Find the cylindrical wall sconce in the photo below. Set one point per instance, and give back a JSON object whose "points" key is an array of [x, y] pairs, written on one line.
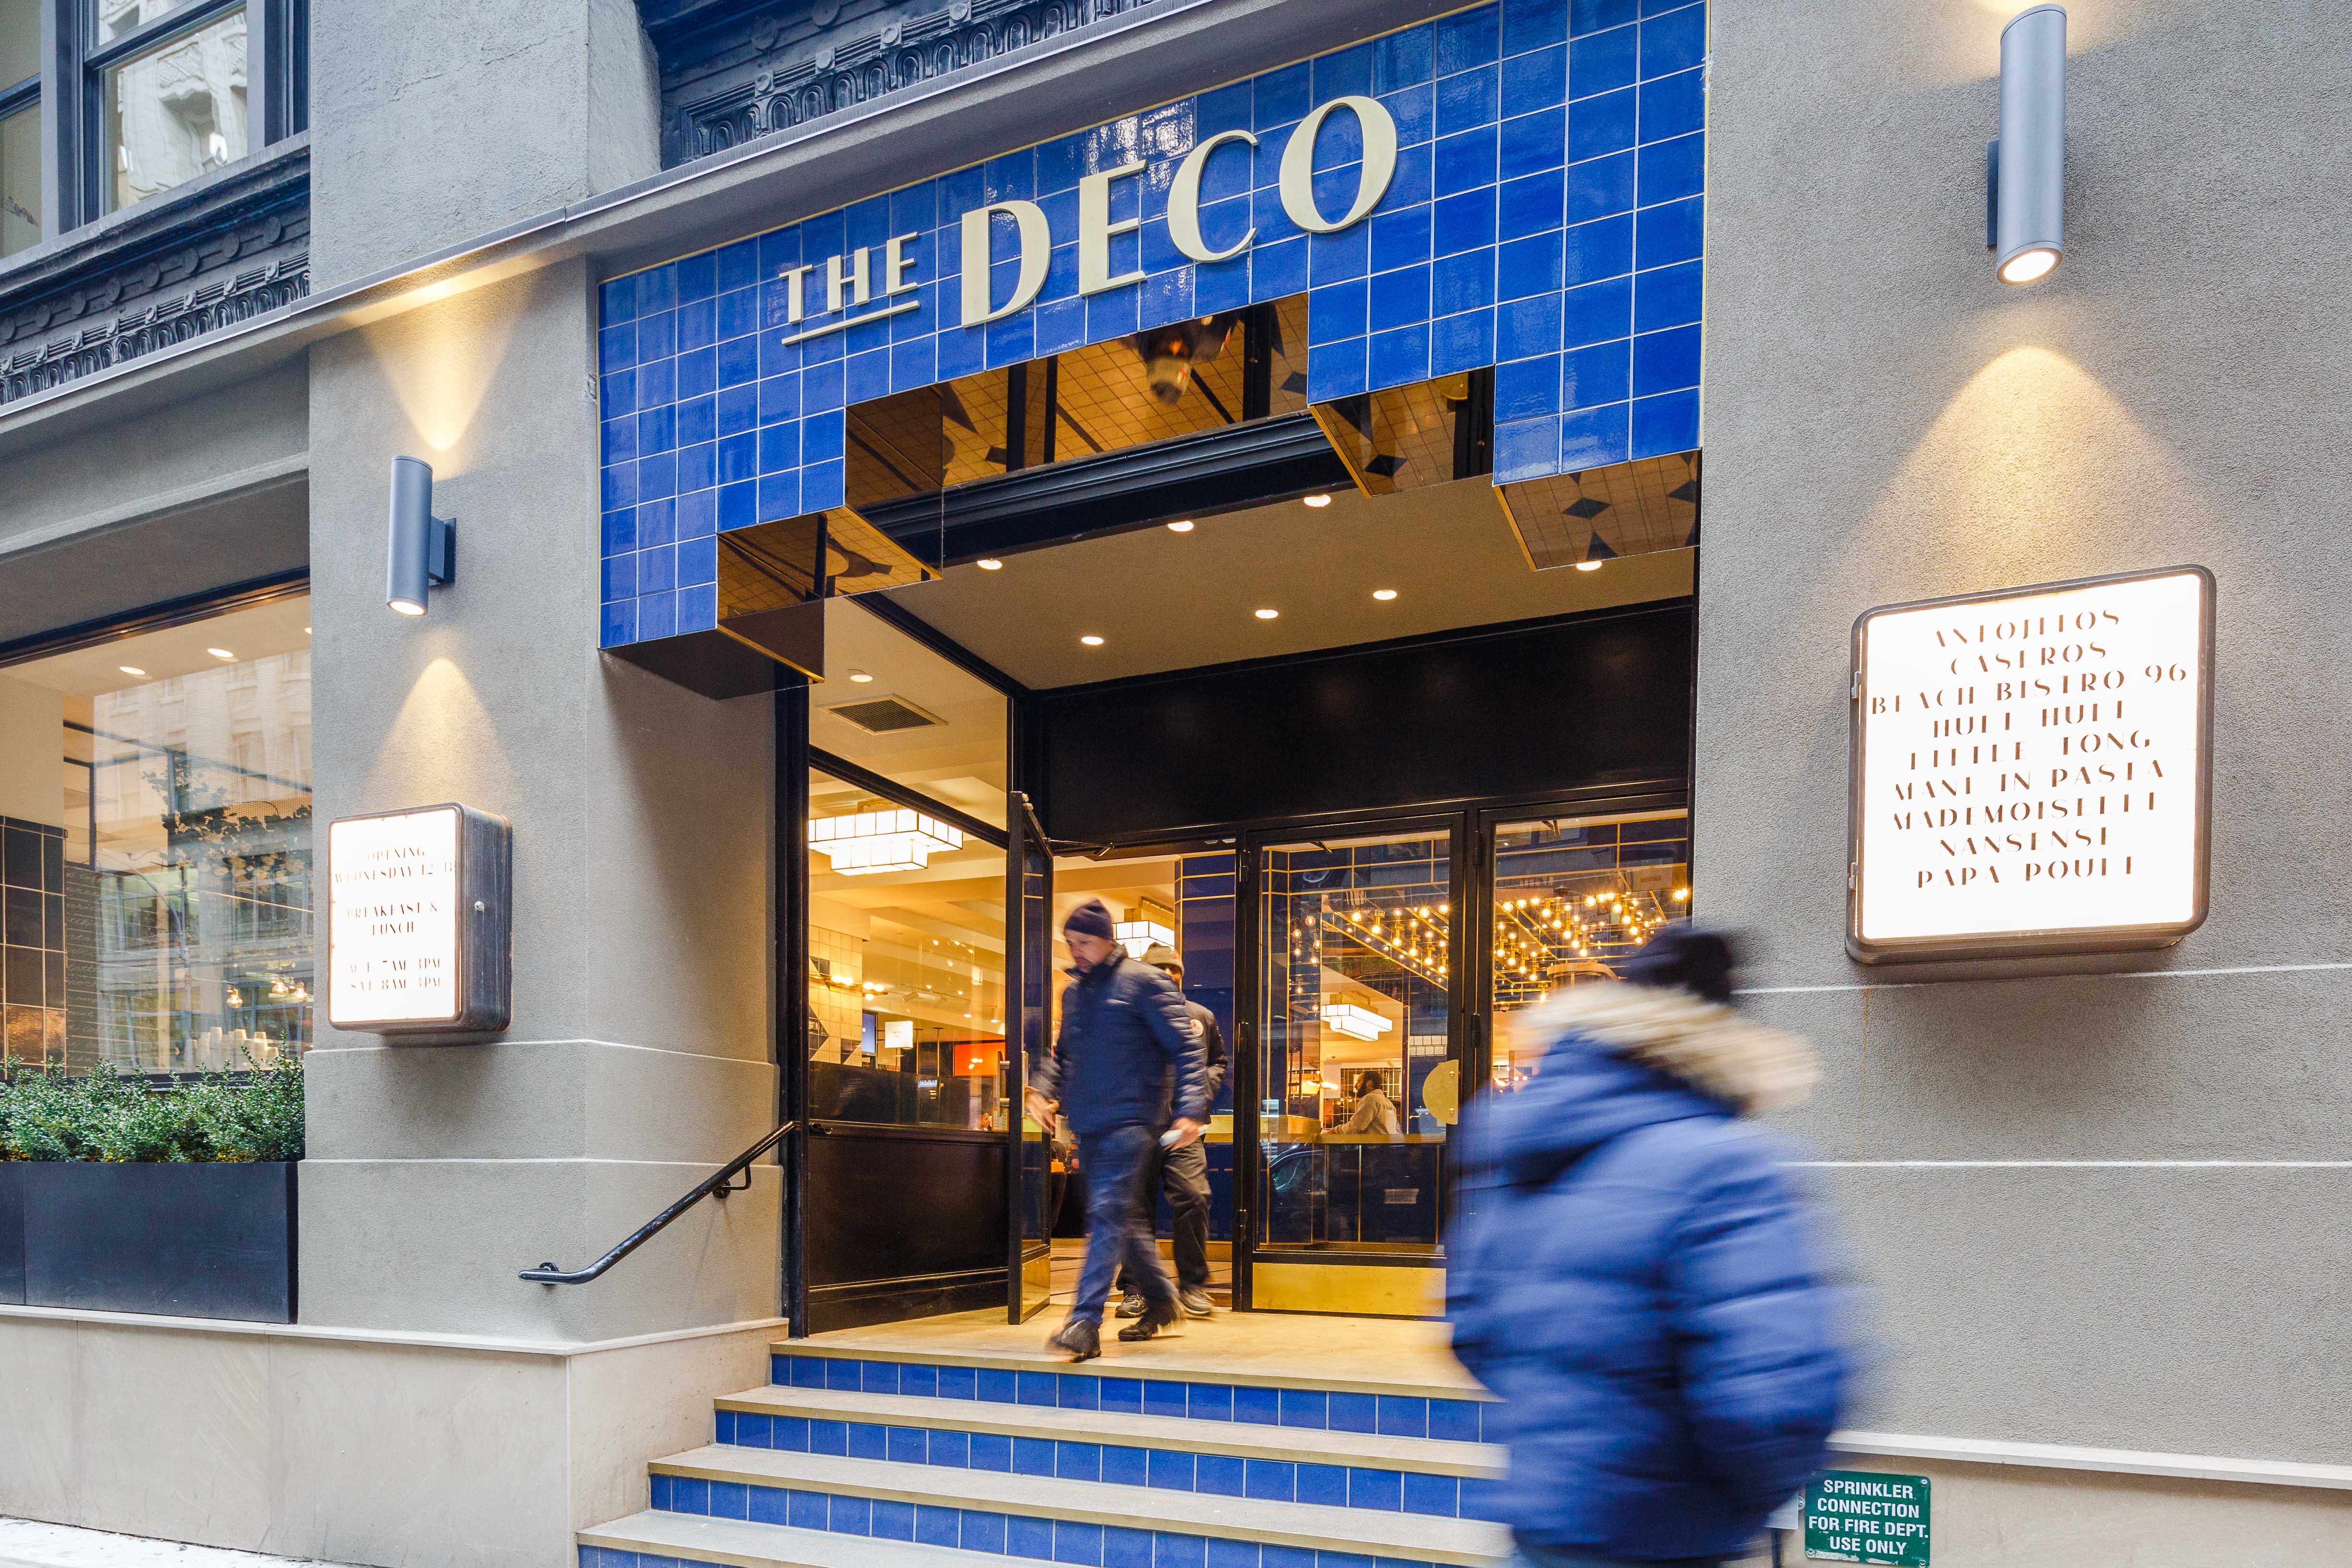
{"points": [[421, 549], [2028, 165]]}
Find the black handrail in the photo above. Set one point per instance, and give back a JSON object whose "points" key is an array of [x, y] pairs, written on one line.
{"points": [[719, 1183]]}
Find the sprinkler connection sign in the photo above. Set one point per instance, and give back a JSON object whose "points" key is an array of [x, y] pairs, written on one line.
{"points": [[1862, 1516]]}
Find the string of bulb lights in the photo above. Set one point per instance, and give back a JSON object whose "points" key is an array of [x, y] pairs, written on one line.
{"points": [[1542, 939]]}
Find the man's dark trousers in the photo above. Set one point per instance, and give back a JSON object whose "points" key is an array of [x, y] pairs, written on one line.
{"points": [[1184, 1175], [1118, 1226]]}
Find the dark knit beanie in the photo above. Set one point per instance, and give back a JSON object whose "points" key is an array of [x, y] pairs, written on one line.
{"points": [[1686, 957], [1090, 919]]}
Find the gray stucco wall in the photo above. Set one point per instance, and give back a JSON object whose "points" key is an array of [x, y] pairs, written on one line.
{"points": [[1885, 422], [640, 1055]]}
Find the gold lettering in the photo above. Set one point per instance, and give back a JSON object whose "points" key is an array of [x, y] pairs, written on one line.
{"points": [[1297, 176], [1184, 201], [1096, 230], [1035, 243]]}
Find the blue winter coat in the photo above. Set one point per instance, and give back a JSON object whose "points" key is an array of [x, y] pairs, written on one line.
{"points": [[1636, 1276], [1128, 1053]]}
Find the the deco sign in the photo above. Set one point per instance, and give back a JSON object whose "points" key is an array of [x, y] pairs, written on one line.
{"points": [[2032, 768], [418, 921], [862, 277]]}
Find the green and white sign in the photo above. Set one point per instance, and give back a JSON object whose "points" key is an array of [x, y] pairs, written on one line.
{"points": [[1867, 1516]]}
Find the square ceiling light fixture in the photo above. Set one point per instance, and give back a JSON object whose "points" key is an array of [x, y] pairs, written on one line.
{"points": [[2025, 169], [1356, 1023], [875, 841], [1140, 935]]}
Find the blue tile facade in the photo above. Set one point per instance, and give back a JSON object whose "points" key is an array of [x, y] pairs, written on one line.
{"points": [[1545, 217]]}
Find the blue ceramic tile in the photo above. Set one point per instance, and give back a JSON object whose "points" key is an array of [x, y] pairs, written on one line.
{"points": [[1232, 1555], [1076, 1391], [1600, 250], [1534, 82], [696, 326], [1414, 109], [1601, 187], [1335, 313], [1465, 161], [951, 1449], [1271, 1480], [1343, 71], [1171, 1472], [620, 582], [829, 1438], [1413, 179], [1674, 169], [1032, 1457], [1525, 449], [1402, 59], [1454, 1420], [730, 1499], [1335, 369], [1665, 424], [1125, 1466], [697, 608], [1076, 1461], [1604, 62], [1403, 1417], [1465, 222], [1531, 265], [1272, 1556], [808, 1371], [868, 1441], [1481, 1499], [1209, 1401], [656, 430], [1527, 207], [1344, 1560], [1601, 124], [1324, 1485], [656, 570], [620, 530], [1395, 299], [959, 1382], [1025, 1537], [1126, 1548], [1468, 38], [1665, 362], [1597, 312], [789, 1433], [778, 496], [1531, 143], [1464, 101], [1527, 327], [936, 1526], [1079, 1543], [1218, 1474], [1431, 1494], [1400, 239], [894, 1521], [769, 1505], [690, 1495], [1668, 234], [907, 1446], [1169, 1551], [698, 516], [805, 1510], [1674, 41], [983, 1531], [851, 1516], [1462, 282], [1525, 388], [1276, 270], [697, 277], [1532, 24], [1164, 1398], [664, 1492], [657, 524], [1124, 1395], [1332, 258], [1671, 106], [1593, 438]]}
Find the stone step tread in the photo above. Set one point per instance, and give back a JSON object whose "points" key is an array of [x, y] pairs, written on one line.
{"points": [[1425, 1538], [1117, 1362], [1240, 1439], [743, 1544]]}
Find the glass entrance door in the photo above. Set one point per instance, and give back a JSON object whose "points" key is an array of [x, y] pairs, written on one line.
{"points": [[1357, 1054]]}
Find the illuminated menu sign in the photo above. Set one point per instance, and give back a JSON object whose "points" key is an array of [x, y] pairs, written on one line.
{"points": [[2032, 768], [417, 921]]}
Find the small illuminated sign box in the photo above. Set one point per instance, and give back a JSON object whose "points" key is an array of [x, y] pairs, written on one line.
{"points": [[2032, 770], [418, 933]]}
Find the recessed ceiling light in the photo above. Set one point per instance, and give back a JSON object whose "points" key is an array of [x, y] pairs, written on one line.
{"points": [[130, 669], [860, 676], [1268, 615], [1185, 527], [1091, 640], [1384, 595], [1318, 500], [991, 565], [220, 653], [1588, 566]]}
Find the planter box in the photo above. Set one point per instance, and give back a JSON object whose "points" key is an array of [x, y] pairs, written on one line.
{"points": [[183, 1241]]}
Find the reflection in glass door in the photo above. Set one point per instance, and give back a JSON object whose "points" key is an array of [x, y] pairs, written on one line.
{"points": [[1357, 1066], [1573, 899]]}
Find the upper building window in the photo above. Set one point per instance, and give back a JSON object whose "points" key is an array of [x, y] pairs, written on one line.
{"points": [[20, 125], [175, 107]]}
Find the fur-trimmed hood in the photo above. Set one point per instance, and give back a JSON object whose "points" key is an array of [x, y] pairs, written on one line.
{"points": [[1617, 1057], [1713, 1048]]}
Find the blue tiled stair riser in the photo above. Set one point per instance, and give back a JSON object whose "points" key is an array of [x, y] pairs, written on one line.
{"points": [[983, 1530], [1545, 217], [1450, 1420], [1219, 1474]]}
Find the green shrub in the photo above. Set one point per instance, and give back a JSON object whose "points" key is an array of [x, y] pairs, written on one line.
{"points": [[46, 1113]]}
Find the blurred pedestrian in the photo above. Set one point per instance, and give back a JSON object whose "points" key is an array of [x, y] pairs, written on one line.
{"points": [[1183, 1173], [1128, 1069], [1638, 1278]]}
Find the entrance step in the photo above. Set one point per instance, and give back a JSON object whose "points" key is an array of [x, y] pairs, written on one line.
{"points": [[1052, 1518]]}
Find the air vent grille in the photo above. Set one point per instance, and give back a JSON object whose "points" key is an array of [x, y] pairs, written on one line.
{"points": [[885, 715]]}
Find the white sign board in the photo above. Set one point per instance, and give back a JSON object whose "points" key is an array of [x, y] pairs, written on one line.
{"points": [[416, 921], [2030, 769]]}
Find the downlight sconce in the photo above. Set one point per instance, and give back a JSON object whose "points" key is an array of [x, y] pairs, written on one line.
{"points": [[421, 550], [2025, 169]]}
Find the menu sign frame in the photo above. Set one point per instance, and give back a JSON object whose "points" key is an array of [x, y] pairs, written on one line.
{"points": [[419, 926], [2061, 709]]}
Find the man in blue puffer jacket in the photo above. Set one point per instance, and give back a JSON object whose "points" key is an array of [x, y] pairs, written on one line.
{"points": [[1635, 1275]]}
